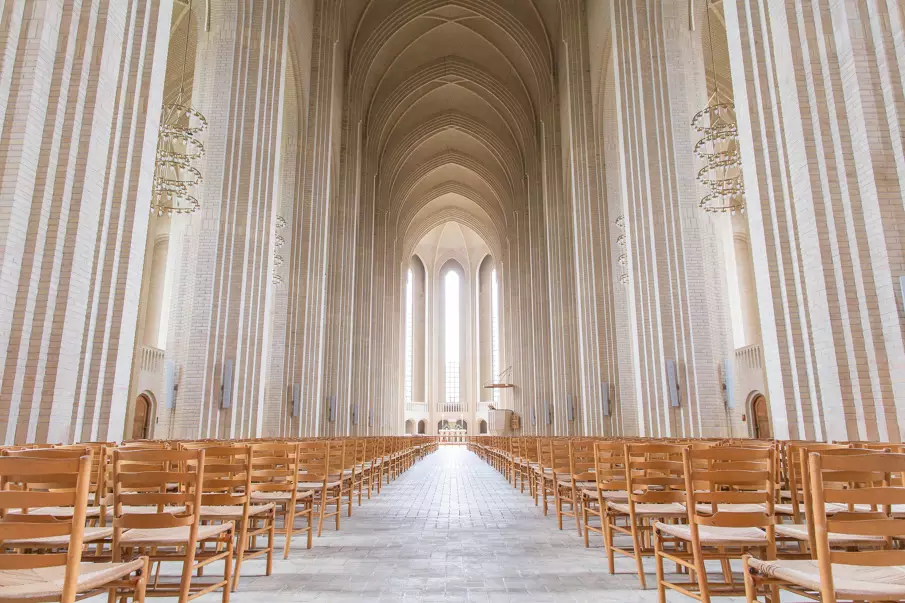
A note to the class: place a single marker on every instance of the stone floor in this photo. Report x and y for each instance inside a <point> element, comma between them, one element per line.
<point>449,529</point>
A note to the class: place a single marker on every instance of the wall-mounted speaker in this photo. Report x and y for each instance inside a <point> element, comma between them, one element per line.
<point>171,387</point>
<point>605,398</point>
<point>570,407</point>
<point>672,383</point>
<point>331,409</point>
<point>532,414</point>
<point>548,413</point>
<point>728,398</point>
<point>296,399</point>
<point>355,414</point>
<point>370,418</point>
<point>226,387</point>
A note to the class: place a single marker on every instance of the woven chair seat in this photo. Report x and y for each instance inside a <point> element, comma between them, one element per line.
<point>651,509</point>
<point>233,511</point>
<point>46,583</point>
<point>705,508</point>
<point>52,542</point>
<point>581,485</point>
<point>317,485</point>
<point>608,495</point>
<point>716,535</point>
<point>856,582</point>
<point>276,497</point>
<point>831,509</point>
<point>799,531</point>
<point>145,510</point>
<point>171,536</point>
<point>64,512</point>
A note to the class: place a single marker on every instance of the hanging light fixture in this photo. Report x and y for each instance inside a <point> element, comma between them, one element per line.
<point>178,147</point>
<point>718,148</point>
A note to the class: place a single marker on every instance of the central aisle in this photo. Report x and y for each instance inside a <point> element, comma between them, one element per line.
<point>449,529</point>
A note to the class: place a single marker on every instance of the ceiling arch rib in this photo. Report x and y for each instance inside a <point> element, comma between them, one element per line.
<point>516,112</point>
<point>460,39</point>
<point>507,155</point>
<point>503,28</point>
<point>488,212</point>
<point>420,229</point>
<point>399,193</point>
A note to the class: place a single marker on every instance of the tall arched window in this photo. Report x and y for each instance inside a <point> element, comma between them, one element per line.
<point>451,334</point>
<point>495,331</point>
<point>409,338</point>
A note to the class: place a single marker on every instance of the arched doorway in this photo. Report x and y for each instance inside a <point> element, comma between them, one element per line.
<point>482,426</point>
<point>760,418</point>
<point>410,427</point>
<point>141,419</point>
<point>422,427</point>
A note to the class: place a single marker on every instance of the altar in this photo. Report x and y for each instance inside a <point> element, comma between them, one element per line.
<point>453,436</point>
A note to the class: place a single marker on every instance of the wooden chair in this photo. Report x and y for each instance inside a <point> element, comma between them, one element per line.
<point>274,480</point>
<point>95,489</point>
<point>226,497</point>
<point>57,572</point>
<point>521,471</point>
<point>361,468</point>
<point>581,473</point>
<point>544,472</point>
<point>729,499</point>
<point>655,484</point>
<point>157,498</point>
<point>563,493</point>
<point>804,533</point>
<point>348,472</point>
<point>609,484</point>
<point>320,467</point>
<point>844,574</point>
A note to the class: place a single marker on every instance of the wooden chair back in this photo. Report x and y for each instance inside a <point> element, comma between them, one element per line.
<point>851,480</point>
<point>654,473</point>
<point>609,465</point>
<point>168,480</point>
<point>581,461</point>
<point>27,483</point>
<point>723,475</point>
<point>313,463</point>
<point>274,466</point>
<point>227,475</point>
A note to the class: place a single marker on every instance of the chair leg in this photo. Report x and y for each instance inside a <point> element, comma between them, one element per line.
<point>227,569</point>
<point>608,541</point>
<point>141,585</point>
<point>240,554</point>
<point>323,510</point>
<point>185,583</point>
<point>309,511</point>
<point>658,549</point>
<point>700,571</point>
<point>636,546</point>
<point>271,541</point>
<point>750,589</point>
<point>289,521</point>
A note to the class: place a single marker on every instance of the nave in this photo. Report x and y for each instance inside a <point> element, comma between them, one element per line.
<point>449,529</point>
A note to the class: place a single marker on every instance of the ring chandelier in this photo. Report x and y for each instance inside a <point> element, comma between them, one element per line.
<point>178,147</point>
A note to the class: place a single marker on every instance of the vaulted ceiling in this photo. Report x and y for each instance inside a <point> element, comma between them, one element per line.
<point>449,95</point>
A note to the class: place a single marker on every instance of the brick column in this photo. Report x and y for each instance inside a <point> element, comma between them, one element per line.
<point>224,291</point>
<point>818,88</point>
<point>80,96</point>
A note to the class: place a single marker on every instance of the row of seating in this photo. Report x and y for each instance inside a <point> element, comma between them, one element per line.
<point>80,520</point>
<point>823,521</point>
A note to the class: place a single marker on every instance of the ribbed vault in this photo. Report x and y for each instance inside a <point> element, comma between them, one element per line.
<point>445,106</point>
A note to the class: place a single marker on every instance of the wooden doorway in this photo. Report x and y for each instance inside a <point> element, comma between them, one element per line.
<point>141,420</point>
<point>760,417</point>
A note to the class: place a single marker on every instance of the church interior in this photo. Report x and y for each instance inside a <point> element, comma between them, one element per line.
<point>452,300</point>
